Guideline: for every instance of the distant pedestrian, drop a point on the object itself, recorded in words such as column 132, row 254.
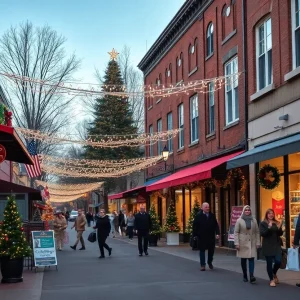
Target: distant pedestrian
column 89, row 218
column 142, row 225
column 59, row 225
column 206, row 230
column 271, row 231
column 297, row 238
column 103, row 229
column 116, row 223
column 79, row 225
column 247, row 241
column 122, row 223
column 130, row 225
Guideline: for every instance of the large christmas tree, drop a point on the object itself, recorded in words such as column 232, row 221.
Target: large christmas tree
column 172, row 224
column 195, row 210
column 13, row 243
column 156, row 228
column 112, row 116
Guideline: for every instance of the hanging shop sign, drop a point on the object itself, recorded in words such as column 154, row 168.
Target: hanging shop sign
column 236, row 212
column 44, row 248
column 2, row 153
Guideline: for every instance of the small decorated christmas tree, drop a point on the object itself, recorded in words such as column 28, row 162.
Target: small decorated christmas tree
column 48, row 214
column 13, row 243
column 195, row 210
column 172, row 224
column 156, row 228
column 37, row 215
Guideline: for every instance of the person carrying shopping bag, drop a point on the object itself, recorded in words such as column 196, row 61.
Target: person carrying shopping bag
column 271, row 232
column 247, row 241
column 59, row 225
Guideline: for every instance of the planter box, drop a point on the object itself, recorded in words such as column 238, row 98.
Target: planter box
column 172, row 238
column 12, row 270
column 153, row 240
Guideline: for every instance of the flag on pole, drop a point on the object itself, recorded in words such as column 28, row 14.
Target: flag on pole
column 35, row 169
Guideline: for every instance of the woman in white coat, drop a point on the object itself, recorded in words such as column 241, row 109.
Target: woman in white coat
column 246, row 241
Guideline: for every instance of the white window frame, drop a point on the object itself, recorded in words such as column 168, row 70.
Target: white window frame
column 266, row 50
column 159, row 143
column 181, row 126
column 294, row 29
column 170, row 127
column 211, row 104
column 232, row 84
column 151, row 150
column 194, row 119
column 210, row 39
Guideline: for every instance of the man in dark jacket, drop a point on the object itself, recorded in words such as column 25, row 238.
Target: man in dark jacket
column 103, row 229
column 142, row 225
column 206, row 230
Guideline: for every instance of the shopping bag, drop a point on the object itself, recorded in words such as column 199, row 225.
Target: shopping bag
column 293, row 260
column 92, row 237
column 66, row 237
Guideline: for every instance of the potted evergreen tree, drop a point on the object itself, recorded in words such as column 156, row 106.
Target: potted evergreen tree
column 13, row 244
column 156, row 228
column 172, row 227
column 189, row 230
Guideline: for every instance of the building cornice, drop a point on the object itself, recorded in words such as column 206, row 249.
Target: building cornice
column 191, row 11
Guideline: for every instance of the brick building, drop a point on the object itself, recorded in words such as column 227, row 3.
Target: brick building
column 204, row 40
column 273, row 68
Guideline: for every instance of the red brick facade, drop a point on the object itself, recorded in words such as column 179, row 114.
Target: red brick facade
column 226, row 18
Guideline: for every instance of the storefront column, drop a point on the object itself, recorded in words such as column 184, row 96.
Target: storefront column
column 254, row 203
column 287, row 200
column 190, row 192
column 183, row 209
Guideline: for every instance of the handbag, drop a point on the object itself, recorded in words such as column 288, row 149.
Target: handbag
column 92, row 237
column 283, row 260
column 292, row 260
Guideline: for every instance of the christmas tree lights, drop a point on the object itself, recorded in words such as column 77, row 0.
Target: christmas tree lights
column 172, row 224
column 156, row 228
column 194, row 212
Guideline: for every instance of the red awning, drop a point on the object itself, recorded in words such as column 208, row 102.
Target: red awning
column 15, row 149
column 196, row 173
column 126, row 193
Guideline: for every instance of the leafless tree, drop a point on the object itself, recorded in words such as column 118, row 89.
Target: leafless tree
column 37, row 52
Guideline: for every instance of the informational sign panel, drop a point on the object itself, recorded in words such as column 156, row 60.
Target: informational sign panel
column 236, row 212
column 44, row 248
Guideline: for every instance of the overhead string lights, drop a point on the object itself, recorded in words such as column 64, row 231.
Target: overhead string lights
column 92, row 90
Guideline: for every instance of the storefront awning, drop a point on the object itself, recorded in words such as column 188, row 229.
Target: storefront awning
column 199, row 172
column 15, row 149
column 271, row 150
column 126, row 193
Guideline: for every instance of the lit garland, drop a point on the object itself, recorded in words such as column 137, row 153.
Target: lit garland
column 113, row 141
column 72, row 88
column 99, row 173
column 60, row 199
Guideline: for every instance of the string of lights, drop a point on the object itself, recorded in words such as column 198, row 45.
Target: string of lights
column 62, row 199
column 69, row 187
column 112, row 141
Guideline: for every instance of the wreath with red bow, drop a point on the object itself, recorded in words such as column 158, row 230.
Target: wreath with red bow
column 268, row 177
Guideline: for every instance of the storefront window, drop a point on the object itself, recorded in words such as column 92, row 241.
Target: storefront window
column 294, row 162
column 179, row 210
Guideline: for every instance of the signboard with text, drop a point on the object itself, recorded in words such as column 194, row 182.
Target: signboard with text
column 44, row 248
column 236, row 212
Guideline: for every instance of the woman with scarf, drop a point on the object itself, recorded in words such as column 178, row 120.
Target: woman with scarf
column 246, row 241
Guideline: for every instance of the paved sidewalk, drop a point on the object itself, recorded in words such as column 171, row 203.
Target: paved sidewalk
column 223, row 259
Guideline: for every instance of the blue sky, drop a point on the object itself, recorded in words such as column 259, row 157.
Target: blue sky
column 94, row 27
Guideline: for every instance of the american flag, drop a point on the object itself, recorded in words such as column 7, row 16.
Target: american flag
column 33, row 170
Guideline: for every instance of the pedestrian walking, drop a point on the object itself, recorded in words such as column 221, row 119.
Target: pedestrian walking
column 59, row 226
column 103, row 229
column 122, row 223
column 247, row 241
column 142, row 226
column 297, row 238
column 79, row 226
column 116, row 223
column 271, row 231
column 206, row 230
column 130, row 225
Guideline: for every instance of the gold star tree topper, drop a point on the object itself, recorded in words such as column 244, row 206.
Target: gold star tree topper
column 113, row 54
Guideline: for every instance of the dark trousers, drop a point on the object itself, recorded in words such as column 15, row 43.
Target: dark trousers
column 143, row 235
column 130, row 231
column 89, row 223
column 210, row 256
column 102, row 244
column 272, row 269
column 244, row 266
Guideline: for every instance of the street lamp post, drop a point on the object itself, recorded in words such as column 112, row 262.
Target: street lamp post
column 165, row 155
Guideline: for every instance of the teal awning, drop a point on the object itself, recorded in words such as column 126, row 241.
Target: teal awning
column 285, row 146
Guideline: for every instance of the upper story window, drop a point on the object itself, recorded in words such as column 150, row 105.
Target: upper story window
column 159, row 143
column 296, row 32
column 194, row 118
column 170, row 127
column 210, row 40
column 264, row 67
column 231, row 91
column 211, row 107
column 181, row 126
column 151, row 143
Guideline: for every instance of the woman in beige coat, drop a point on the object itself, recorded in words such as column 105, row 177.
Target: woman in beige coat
column 246, row 241
column 60, row 225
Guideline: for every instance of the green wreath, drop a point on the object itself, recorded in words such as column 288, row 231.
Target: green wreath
column 268, row 177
